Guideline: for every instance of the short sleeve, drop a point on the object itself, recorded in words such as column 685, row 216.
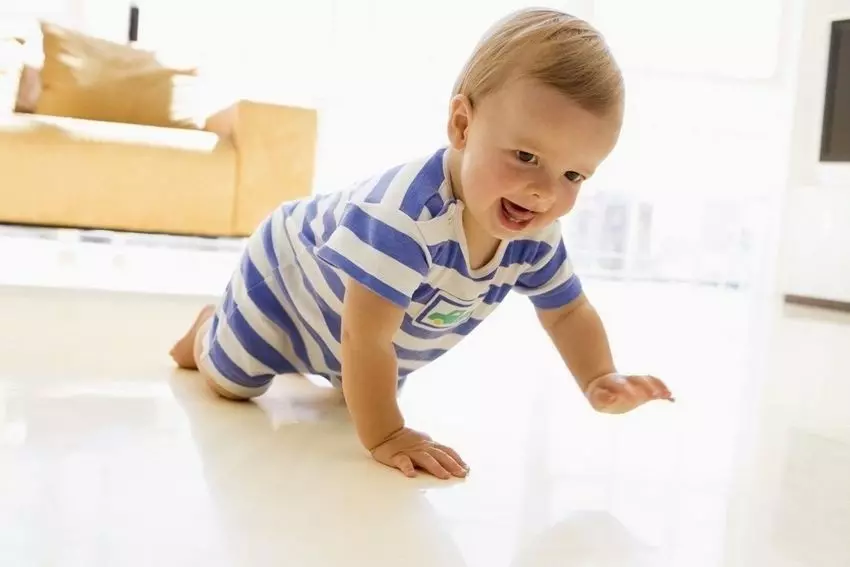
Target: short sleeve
column 379, row 247
column 549, row 281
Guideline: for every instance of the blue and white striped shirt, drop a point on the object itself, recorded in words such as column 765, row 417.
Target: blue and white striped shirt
column 398, row 234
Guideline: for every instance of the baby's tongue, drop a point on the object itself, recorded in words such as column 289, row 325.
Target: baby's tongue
column 517, row 212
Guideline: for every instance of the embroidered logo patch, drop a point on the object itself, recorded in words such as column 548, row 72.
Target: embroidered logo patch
column 445, row 312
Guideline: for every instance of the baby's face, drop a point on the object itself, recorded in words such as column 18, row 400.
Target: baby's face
column 525, row 152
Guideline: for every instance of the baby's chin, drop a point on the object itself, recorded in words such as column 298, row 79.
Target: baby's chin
column 502, row 234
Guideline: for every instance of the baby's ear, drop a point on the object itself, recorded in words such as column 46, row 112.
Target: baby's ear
column 460, row 114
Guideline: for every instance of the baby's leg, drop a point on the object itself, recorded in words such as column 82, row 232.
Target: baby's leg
column 183, row 351
column 188, row 350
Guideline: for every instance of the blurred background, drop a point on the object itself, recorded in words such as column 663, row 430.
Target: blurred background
column 695, row 190
column 694, row 193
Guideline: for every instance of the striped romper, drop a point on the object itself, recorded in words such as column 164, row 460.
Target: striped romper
column 400, row 235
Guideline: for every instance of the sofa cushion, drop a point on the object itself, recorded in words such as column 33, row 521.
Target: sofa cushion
column 29, row 89
column 72, row 172
column 95, row 79
column 33, row 58
column 11, row 63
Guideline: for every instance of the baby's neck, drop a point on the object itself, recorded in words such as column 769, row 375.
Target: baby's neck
column 453, row 159
column 481, row 246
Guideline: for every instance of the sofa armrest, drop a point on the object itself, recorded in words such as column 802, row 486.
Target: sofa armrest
column 276, row 152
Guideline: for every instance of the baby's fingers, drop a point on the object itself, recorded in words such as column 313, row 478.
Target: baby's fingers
column 601, row 396
column 427, row 462
column 633, row 390
column 651, row 387
column 449, row 463
column 403, row 463
column 661, row 389
column 641, row 389
column 454, row 455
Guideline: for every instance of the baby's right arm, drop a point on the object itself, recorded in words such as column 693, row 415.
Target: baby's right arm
column 369, row 382
column 370, row 367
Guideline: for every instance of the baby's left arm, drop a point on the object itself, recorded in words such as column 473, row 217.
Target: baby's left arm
column 579, row 335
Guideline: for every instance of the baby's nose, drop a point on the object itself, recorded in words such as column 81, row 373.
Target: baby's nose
column 544, row 195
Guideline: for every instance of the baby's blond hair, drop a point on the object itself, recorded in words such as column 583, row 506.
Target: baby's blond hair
column 555, row 48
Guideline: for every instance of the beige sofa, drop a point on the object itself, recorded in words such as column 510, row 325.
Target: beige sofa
column 112, row 138
column 70, row 172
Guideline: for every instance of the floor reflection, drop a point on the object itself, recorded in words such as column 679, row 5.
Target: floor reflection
column 108, row 456
column 289, row 483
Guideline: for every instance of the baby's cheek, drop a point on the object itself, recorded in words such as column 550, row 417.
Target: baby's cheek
column 568, row 200
column 489, row 180
column 504, row 178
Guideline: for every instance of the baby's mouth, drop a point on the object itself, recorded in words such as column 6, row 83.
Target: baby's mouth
column 517, row 214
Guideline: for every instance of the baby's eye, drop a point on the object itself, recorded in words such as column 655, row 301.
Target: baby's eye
column 526, row 157
column 574, row 176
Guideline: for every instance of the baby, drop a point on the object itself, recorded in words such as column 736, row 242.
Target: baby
column 367, row 285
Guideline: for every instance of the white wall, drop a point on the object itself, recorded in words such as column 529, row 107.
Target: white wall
column 815, row 252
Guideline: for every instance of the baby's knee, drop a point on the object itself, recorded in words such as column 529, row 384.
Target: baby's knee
column 215, row 387
column 207, row 368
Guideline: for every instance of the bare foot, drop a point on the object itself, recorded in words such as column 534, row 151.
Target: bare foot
column 183, row 351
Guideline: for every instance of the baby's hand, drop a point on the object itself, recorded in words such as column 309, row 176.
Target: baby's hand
column 408, row 450
column 616, row 393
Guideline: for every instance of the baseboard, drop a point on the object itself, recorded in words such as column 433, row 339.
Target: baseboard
column 819, row 303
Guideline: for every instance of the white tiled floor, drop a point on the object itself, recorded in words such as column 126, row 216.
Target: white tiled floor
column 109, row 456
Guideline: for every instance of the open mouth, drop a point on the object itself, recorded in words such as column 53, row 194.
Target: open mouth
column 516, row 217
